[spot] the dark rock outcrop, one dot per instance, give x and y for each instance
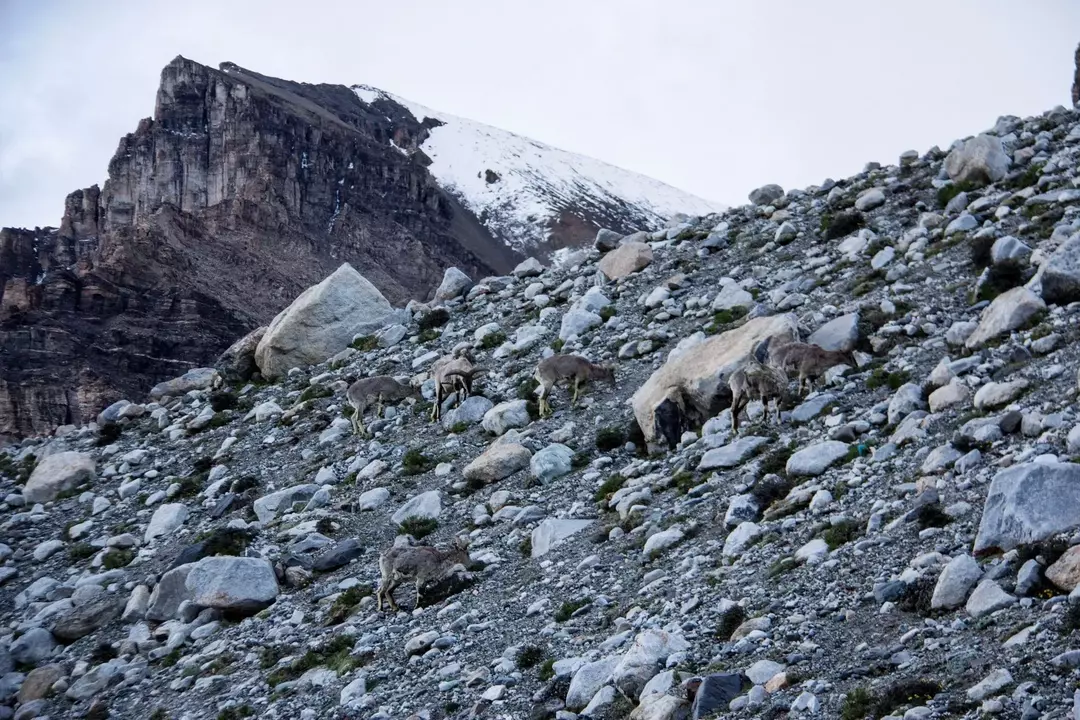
(240, 192)
(1076, 80)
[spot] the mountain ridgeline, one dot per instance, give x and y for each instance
(241, 191)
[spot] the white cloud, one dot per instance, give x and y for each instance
(715, 98)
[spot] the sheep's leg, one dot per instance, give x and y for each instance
(735, 400)
(362, 431)
(542, 401)
(379, 594)
(419, 583)
(355, 422)
(438, 401)
(389, 593)
(379, 407)
(577, 387)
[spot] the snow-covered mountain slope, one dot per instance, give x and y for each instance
(527, 192)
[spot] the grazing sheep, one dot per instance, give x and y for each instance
(421, 563)
(810, 361)
(563, 367)
(381, 388)
(755, 380)
(453, 374)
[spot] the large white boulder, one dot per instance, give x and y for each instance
(58, 473)
(693, 381)
(322, 321)
(1029, 503)
(980, 160)
(233, 584)
(1009, 310)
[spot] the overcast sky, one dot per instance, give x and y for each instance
(714, 97)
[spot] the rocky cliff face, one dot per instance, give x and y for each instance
(1076, 80)
(237, 194)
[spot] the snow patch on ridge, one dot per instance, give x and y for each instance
(535, 181)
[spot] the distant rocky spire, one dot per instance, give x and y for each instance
(1076, 79)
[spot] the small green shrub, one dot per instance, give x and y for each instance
(894, 380)
(159, 714)
(493, 340)
(609, 487)
(980, 248)
(580, 460)
(436, 318)
(418, 527)
(109, 433)
(314, 392)
(841, 533)
(856, 705)
(730, 620)
(568, 608)
(117, 559)
(775, 463)
(609, 438)
(525, 547)
(223, 400)
(226, 541)
(947, 193)
(344, 604)
(459, 427)
(365, 343)
(931, 515)
(841, 224)
(547, 670)
(728, 316)
(606, 313)
(428, 335)
(557, 344)
(1028, 178)
(415, 462)
(780, 567)
(684, 481)
(236, 712)
(1000, 278)
(335, 655)
(81, 551)
(191, 485)
(529, 656)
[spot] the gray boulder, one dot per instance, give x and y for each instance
(270, 506)
(454, 284)
(1010, 310)
(469, 412)
(1029, 503)
(1007, 249)
(93, 682)
(588, 680)
(499, 461)
(816, 459)
(980, 161)
(530, 267)
(170, 591)
(906, 400)
(838, 334)
(766, 194)
(551, 462)
(625, 260)
(33, 646)
(505, 416)
(1059, 276)
(322, 321)
(426, 505)
(194, 379)
(552, 531)
(645, 659)
(578, 321)
(606, 240)
(732, 454)
(955, 582)
(59, 473)
(732, 295)
(242, 585)
(987, 598)
(82, 620)
(166, 520)
(870, 199)
(237, 363)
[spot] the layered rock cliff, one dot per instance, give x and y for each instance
(238, 193)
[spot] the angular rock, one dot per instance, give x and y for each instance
(322, 321)
(39, 682)
(551, 462)
(1009, 311)
(994, 395)
(644, 659)
(1065, 571)
(500, 460)
(695, 378)
(906, 400)
(588, 680)
(170, 591)
(94, 681)
(816, 459)
(426, 505)
(741, 538)
(470, 412)
(840, 333)
(454, 284)
(166, 520)
(194, 379)
(340, 555)
(715, 694)
(733, 454)
(552, 531)
(270, 506)
(979, 161)
(506, 416)
(955, 394)
(240, 585)
(32, 647)
(987, 598)
(372, 499)
(766, 194)
(955, 582)
(237, 364)
(59, 473)
(578, 321)
(80, 621)
(732, 295)
(625, 260)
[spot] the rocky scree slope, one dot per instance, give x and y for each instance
(901, 545)
(239, 192)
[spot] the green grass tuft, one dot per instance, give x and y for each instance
(418, 527)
